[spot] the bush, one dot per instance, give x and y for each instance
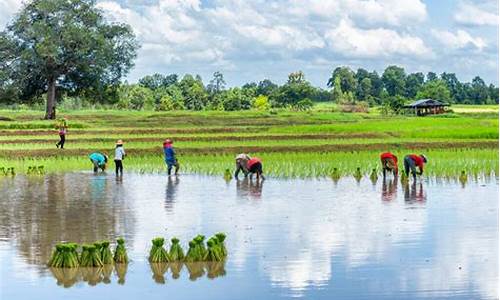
(261, 103)
(359, 107)
(304, 104)
(168, 102)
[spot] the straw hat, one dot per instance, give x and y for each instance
(424, 158)
(119, 142)
(167, 142)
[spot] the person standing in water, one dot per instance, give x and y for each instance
(170, 157)
(241, 164)
(99, 161)
(411, 162)
(389, 163)
(62, 129)
(254, 166)
(119, 157)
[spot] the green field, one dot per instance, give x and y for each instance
(291, 144)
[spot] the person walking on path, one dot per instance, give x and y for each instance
(241, 164)
(99, 161)
(412, 162)
(62, 127)
(170, 157)
(389, 163)
(119, 157)
(254, 166)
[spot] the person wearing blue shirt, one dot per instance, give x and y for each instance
(170, 158)
(99, 160)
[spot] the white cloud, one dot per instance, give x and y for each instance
(477, 15)
(387, 12)
(460, 39)
(364, 43)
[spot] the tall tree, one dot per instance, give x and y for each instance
(266, 87)
(435, 89)
(431, 76)
(454, 85)
(347, 79)
(414, 82)
(394, 78)
(479, 93)
(377, 86)
(68, 44)
(296, 77)
(217, 84)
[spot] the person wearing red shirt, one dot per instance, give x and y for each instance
(254, 166)
(412, 161)
(389, 163)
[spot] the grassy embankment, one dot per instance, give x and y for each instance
(304, 144)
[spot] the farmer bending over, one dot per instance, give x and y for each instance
(241, 164)
(99, 160)
(170, 157)
(412, 161)
(254, 166)
(389, 163)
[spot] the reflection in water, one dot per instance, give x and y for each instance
(170, 191)
(67, 277)
(194, 269)
(307, 238)
(249, 188)
(414, 192)
(159, 270)
(38, 213)
(389, 188)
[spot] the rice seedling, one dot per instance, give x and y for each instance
(200, 246)
(374, 176)
(358, 175)
(158, 254)
(227, 175)
(214, 253)
(106, 255)
(64, 256)
(192, 254)
(120, 256)
(91, 256)
(176, 253)
(221, 237)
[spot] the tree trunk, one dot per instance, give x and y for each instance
(50, 112)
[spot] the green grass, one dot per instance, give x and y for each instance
(292, 144)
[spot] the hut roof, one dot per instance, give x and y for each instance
(426, 103)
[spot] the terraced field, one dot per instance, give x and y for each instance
(292, 144)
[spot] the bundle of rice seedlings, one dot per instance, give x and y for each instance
(221, 237)
(176, 253)
(374, 176)
(463, 177)
(335, 175)
(30, 169)
(176, 268)
(192, 254)
(64, 256)
(41, 170)
(121, 271)
(404, 178)
(159, 270)
(157, 253)
(200, 246)
(195, 270)
(120, 252)
(11, 171)
(2, 171)
(91, 256)
(214, 252)
(106, 255)
(227, 175)
(358, 175)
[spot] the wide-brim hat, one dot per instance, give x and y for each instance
(424, 157)
(119, 142)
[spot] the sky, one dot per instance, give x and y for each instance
(253, 40)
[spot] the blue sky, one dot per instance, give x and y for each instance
(252, 40)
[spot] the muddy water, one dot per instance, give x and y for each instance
(286, 238)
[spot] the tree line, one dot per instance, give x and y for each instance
(64, 51)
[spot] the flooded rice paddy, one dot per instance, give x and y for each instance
(313, 239)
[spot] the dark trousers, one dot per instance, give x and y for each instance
(96, 165)
(61, 141)
(118, 166)
(256, 169)
(410, 165)
(172, 164)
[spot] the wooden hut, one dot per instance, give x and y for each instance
(424, 107)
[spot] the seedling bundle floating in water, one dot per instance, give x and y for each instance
(176, 253)
(99, 254)
(36, 170)
(158, 254)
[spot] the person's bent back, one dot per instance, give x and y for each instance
(99, 160)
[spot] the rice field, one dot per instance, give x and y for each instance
(291, 144)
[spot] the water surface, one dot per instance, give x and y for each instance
(312, 239)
